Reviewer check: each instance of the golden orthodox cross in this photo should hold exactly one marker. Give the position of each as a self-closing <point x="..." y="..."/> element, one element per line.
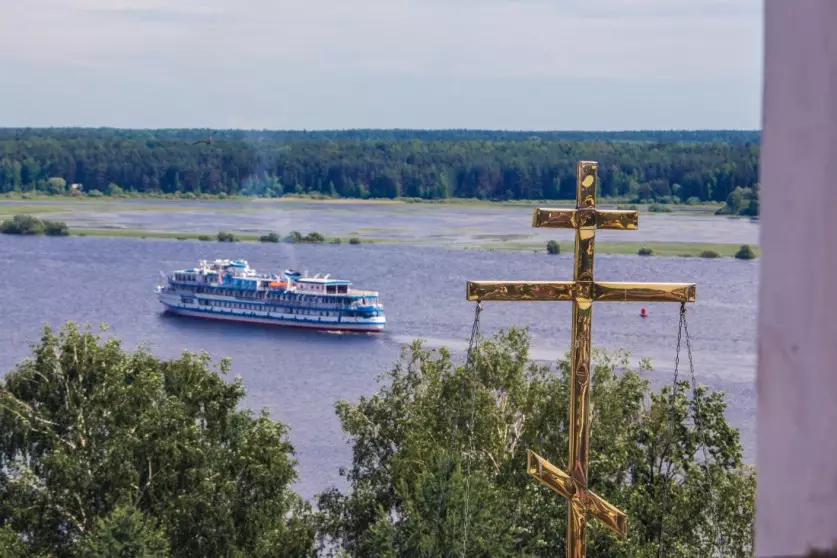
<point x="581" y="291"/>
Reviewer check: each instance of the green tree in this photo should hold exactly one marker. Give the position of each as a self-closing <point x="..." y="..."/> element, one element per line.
<point x="552" y="247"/>
<point x="11" y="545"/>
<point x="314" y="237"/>
<point x="124" y="533"/>
<point x="27" y="224"/>
<point x="103" y="449"/>
<point x="56" y="228"/>
<point x="22" y="224"/>
<point x="488" y="164"/>
<point x="57" y="185"/>
<point x="114" y="190"/>
<point x="745" y="253"/>
<point x="270" y="237"/>
<point x="741" y="201"/>
<point x="416" y="468"/>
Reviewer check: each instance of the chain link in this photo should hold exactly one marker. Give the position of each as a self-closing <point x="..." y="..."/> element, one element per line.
<point x="472" y="350"/>
<point x="470" y="359"/>
<point x="718" y="541"/>
<point x="661" y="538"/>
<point x="718" y="535"/>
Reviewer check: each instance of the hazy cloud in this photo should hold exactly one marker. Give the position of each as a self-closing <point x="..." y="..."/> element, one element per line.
<point x="381" y="63"/>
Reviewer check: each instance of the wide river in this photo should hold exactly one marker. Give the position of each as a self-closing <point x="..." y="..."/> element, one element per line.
<point x="299" y="375"/>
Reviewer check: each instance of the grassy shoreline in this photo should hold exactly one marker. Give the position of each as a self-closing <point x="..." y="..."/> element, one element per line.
<point x="660" y="249"/>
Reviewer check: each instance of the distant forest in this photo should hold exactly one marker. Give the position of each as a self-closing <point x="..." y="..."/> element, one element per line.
<point x="661" y="166"/>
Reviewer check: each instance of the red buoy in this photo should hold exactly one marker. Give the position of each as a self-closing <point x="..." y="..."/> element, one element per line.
<point x="644" y="313"/>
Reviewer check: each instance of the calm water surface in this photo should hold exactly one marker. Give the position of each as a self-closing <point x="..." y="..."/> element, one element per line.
<point x="299" y="375"/>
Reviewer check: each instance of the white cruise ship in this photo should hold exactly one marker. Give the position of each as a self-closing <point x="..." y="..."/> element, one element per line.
<point x="231" y="290"/>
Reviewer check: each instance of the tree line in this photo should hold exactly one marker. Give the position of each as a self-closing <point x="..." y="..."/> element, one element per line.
<point x="638" y="166"/>
<point x="107" y="452"/>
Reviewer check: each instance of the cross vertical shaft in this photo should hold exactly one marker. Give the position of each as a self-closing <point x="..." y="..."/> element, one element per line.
<point x="579" y="424"/>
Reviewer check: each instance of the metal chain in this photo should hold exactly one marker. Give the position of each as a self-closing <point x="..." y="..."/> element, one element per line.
<point x="453" y="421"/>
<point x="671" y="426"/>
<point x="684" y="327"/>
<point x="475" y="335"/>
<point x="719" y="535"/>
<point x="471" y="360"/>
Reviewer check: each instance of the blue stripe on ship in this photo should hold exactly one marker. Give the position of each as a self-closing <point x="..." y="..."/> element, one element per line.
<point x="273" y="306"/>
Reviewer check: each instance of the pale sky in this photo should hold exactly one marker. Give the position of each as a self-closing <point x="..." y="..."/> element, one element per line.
<point x="315" y="64"/>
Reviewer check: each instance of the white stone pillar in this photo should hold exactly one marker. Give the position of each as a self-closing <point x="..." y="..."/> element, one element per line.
<point x="796" y="505"/>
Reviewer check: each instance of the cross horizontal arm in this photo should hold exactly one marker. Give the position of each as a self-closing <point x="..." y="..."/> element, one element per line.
<point x="586" y="219"/>
<point x="520" y="290"/>
<point x="580" y="290"/>
<point x="644" y="292"/>
<point x="551" y="476"/>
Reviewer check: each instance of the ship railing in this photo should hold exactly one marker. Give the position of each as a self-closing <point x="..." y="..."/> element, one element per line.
<point x="362" y="292"/>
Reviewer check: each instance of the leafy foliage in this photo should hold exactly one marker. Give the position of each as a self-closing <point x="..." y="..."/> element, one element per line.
<point x="661" y="166"/>
<point x="419" y="478"/>
<point x="270" y="237"/>
<point x="110" y="453"/>
<point x="552" y="247"/>
<point x="741" y="201"/>
<point x="29" y="225"/>
<point x="125" y="533"/>
<point x="314" y="237"/>
<point x="745" y="253"/>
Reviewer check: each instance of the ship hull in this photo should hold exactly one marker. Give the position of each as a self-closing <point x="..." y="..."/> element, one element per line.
<point x="354" y="327"/>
